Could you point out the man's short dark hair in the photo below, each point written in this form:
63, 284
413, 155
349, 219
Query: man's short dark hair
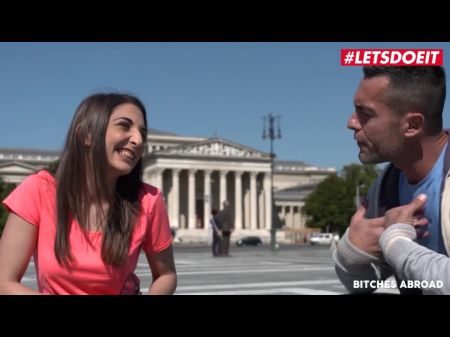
417, 89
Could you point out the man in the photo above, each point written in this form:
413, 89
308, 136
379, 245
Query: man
216, 235
398, 119
227, 224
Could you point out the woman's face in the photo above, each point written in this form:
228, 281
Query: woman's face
125, 139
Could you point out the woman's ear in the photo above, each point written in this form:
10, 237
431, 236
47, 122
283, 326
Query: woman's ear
86, 139
415, 124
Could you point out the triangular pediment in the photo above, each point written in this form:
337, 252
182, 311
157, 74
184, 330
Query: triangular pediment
17, 167
216, 147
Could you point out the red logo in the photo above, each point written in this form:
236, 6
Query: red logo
392, 57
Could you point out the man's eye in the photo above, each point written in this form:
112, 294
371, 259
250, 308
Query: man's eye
363, 114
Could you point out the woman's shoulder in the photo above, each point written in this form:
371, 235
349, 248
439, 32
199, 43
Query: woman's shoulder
34, 190
45, 175
40, 178
46, 178
148, 192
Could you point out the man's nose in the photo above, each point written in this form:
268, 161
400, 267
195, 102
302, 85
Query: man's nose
353, 122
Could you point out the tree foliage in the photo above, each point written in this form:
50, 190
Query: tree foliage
53, 166
359, 175
332, 203
5, 189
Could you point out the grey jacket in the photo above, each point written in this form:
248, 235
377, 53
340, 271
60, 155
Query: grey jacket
402, 256
225, 219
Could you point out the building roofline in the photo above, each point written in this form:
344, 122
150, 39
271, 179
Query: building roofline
18, 163
29, 151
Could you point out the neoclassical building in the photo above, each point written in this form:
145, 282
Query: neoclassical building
197, 174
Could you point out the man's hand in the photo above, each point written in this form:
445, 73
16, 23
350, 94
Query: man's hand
365, 233
411, 213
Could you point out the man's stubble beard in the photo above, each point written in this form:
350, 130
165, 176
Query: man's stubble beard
383, 155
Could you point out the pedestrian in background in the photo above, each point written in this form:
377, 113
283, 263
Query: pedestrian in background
216, 233
226, 221
334, 241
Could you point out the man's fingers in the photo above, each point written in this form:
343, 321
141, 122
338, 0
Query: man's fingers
420, 222
359, 214
422, 233
364, 201
417, 204
376, 221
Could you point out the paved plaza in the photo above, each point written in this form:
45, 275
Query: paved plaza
291, 270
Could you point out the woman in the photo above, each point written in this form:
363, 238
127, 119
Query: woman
86, 225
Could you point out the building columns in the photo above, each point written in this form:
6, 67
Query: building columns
291, 216
300, 217
191, 200
268, 199
159, 178
207, 197
175, 209
261, 209
253, 203
223, 187
260, 205
238, 199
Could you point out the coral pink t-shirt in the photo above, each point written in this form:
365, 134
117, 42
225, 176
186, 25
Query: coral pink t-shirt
34, 200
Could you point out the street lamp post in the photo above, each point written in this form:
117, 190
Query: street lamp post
358, 196
270, 124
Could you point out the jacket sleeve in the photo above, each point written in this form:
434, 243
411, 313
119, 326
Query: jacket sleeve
412, 261
352, 265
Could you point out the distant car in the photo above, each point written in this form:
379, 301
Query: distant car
248, 241
323, 238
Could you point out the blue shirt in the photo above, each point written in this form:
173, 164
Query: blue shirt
431, 186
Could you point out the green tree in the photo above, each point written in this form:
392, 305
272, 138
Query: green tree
5, 189
53, 166
327, 207
359, 175
331, 205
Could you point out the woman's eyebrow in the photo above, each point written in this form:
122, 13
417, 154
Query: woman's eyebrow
126, 118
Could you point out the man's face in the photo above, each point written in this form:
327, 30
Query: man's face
377, 127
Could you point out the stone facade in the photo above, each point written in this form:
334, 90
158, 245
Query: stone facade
197, 174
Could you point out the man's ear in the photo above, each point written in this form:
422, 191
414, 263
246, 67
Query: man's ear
415, 124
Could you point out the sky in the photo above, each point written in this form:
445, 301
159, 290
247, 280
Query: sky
193, 89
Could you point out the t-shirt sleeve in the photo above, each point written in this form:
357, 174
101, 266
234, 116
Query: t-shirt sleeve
158, 236
25, 200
